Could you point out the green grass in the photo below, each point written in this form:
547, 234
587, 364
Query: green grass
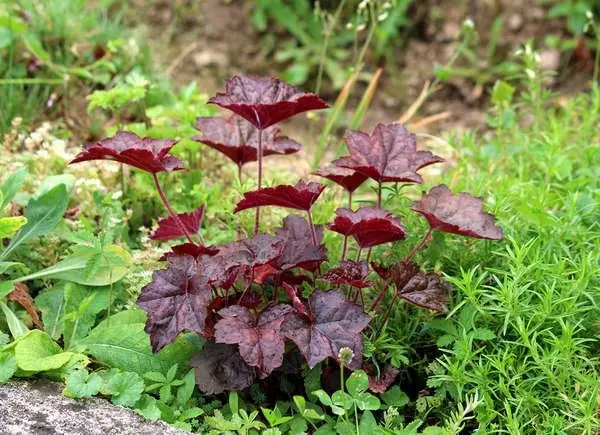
539, 290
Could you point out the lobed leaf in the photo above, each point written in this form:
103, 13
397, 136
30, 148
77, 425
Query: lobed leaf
169, 228
458, 214
148, 154
265, 101
176, 300
370, 226
388, 154
300, 197
333, 323
238, 140
352, 273
347, 178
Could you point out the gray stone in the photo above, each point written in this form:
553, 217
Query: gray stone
37, 407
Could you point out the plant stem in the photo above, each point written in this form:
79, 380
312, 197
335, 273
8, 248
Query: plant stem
379, 195
379, 297
350, 200
260, 159
358, 254
174, 215
344, 248
240, 173
419, 245
312, 228
387, 314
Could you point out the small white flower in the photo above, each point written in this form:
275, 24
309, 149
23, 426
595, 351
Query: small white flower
361, 27
118, 194
382, 16
468, 24
530, 73
349, 26
37, 137
363, 4
589, 15
537, 58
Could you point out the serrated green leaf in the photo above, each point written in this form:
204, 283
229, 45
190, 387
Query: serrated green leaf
148, 408
125, 388
80, 384
37, 352
8, 366
122, 342
395, 397
357, 382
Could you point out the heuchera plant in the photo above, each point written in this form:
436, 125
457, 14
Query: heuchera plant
249, 297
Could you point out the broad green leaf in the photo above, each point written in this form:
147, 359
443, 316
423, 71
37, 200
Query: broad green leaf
8, 366
43, 213
395, 397
122, 342
15, 325
148, 408
184, 393
343, 399
11, 185
82, 305
367, 401
368, 425
52, 305
36, 352
4, 338
114, 265
125, 388
80, 384
357, 383
10, 225
6, 287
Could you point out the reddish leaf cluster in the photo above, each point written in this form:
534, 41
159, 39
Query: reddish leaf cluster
229, 293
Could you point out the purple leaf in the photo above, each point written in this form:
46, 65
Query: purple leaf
219, 367
352, 273
388, 154
265, 101
168, 228
146, 153
369, 226
333, 323
260, 342
298, 248
386, 378
300, 197
188, 248
458, 214
175, 301
347, 178
427, 290
238, 139
239, 257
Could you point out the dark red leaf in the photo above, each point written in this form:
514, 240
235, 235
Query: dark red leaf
265, 101
386, 378
333, 323
188, 248
427, 290
458, 214
260, 342
369, 226
300, 197
388, 154
147, 154
168, 228
20, 295
219, 367
347, 178
298, 248
239, 257
175, 301
238, 139
353, 273
296, 302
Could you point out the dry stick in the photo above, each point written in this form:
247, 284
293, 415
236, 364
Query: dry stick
387, 314
170, 209
379, 296
313, 233
419, 245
